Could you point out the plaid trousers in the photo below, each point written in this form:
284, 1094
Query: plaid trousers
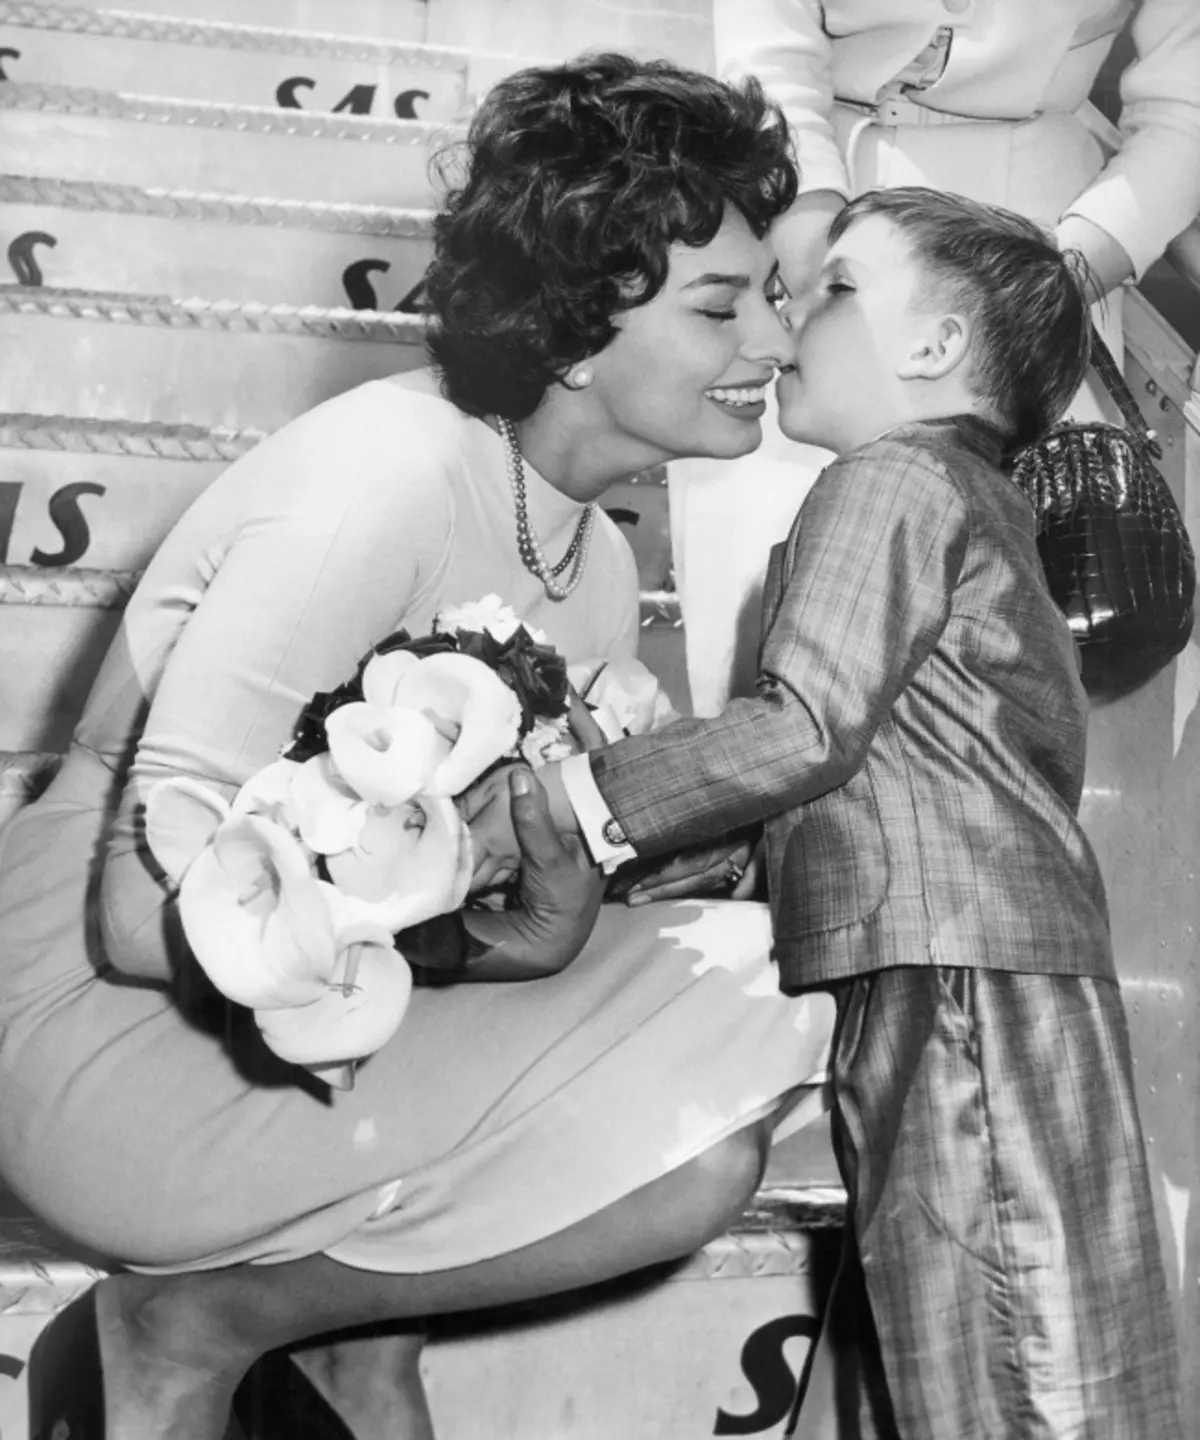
1001, 1225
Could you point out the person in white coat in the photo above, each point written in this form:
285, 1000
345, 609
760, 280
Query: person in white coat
983, 97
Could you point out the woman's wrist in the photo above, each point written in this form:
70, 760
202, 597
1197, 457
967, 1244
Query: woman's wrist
1107, 261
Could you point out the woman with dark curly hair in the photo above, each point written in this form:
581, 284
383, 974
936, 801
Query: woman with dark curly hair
603, 302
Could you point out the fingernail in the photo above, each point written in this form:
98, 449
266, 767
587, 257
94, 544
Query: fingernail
520, 782
635, 899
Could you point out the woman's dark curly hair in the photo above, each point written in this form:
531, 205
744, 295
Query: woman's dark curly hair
580, 178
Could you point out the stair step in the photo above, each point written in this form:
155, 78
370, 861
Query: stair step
403, 20
76, 133
658, 1353
230, 63
77, 234
243, 365
101, 493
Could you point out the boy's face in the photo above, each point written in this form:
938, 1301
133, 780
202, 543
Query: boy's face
853, 339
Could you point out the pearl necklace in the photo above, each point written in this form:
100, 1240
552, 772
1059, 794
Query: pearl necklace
528, 545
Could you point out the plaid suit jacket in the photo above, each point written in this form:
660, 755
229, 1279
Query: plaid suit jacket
917, 743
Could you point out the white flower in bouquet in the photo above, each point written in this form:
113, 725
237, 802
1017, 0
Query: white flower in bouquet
290, 896
549, 740
623, 695
489, 615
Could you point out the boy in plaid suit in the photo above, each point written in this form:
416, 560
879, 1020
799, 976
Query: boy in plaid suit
916, 750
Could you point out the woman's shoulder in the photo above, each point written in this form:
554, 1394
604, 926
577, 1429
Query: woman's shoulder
397, 409
387, 442
381, 457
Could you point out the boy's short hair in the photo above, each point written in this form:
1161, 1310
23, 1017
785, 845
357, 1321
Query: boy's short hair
1026, 300
578, 180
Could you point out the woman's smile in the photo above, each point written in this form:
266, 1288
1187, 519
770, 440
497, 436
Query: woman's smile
746, 401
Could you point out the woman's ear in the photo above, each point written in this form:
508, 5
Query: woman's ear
939, 348
181, 818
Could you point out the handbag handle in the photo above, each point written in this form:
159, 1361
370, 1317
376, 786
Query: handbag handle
1106, 367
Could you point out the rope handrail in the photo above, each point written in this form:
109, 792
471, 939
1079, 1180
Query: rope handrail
74, 589
104, 195
135, 25
327, 322
214, 115
81, 588
138, 439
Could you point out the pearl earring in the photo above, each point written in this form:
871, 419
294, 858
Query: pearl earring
580, 378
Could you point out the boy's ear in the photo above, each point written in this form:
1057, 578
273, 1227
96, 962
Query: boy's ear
939, 348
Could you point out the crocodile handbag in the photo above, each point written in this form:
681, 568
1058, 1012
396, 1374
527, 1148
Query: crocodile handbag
1112, 541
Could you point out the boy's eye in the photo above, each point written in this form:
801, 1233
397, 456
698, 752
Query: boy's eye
719, 314
838, 287
777, 292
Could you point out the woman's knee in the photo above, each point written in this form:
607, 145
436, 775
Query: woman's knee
715, 1187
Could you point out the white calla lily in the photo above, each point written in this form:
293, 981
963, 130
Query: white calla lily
327, 813
465, 699
383, 673
385, 755
255, 917
268, 791
359, 1010
410, 863
182, 815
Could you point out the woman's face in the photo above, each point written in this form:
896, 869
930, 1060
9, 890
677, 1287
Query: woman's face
687, 372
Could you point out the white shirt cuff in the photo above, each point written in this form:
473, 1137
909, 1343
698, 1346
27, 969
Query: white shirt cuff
601, 830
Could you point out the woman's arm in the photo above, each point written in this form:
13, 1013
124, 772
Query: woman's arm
298, 558
328, 539
1150, 190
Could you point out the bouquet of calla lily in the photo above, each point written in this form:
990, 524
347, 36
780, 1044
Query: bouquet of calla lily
291, 894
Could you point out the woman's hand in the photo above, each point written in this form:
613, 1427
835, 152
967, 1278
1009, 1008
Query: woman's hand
560, 895
486, 809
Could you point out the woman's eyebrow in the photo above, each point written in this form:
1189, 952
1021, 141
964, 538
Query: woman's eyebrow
739, 282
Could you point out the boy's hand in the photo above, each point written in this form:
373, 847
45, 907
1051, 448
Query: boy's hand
730, 868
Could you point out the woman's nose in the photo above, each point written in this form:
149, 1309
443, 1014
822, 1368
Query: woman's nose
766, 338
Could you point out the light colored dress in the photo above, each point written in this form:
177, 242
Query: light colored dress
139, 1115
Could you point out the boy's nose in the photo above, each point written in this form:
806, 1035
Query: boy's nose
792, 313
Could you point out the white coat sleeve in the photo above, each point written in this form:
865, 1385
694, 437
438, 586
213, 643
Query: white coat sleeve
1150, 190
784, 44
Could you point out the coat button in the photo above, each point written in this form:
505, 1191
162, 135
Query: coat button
956, 7
613, 834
